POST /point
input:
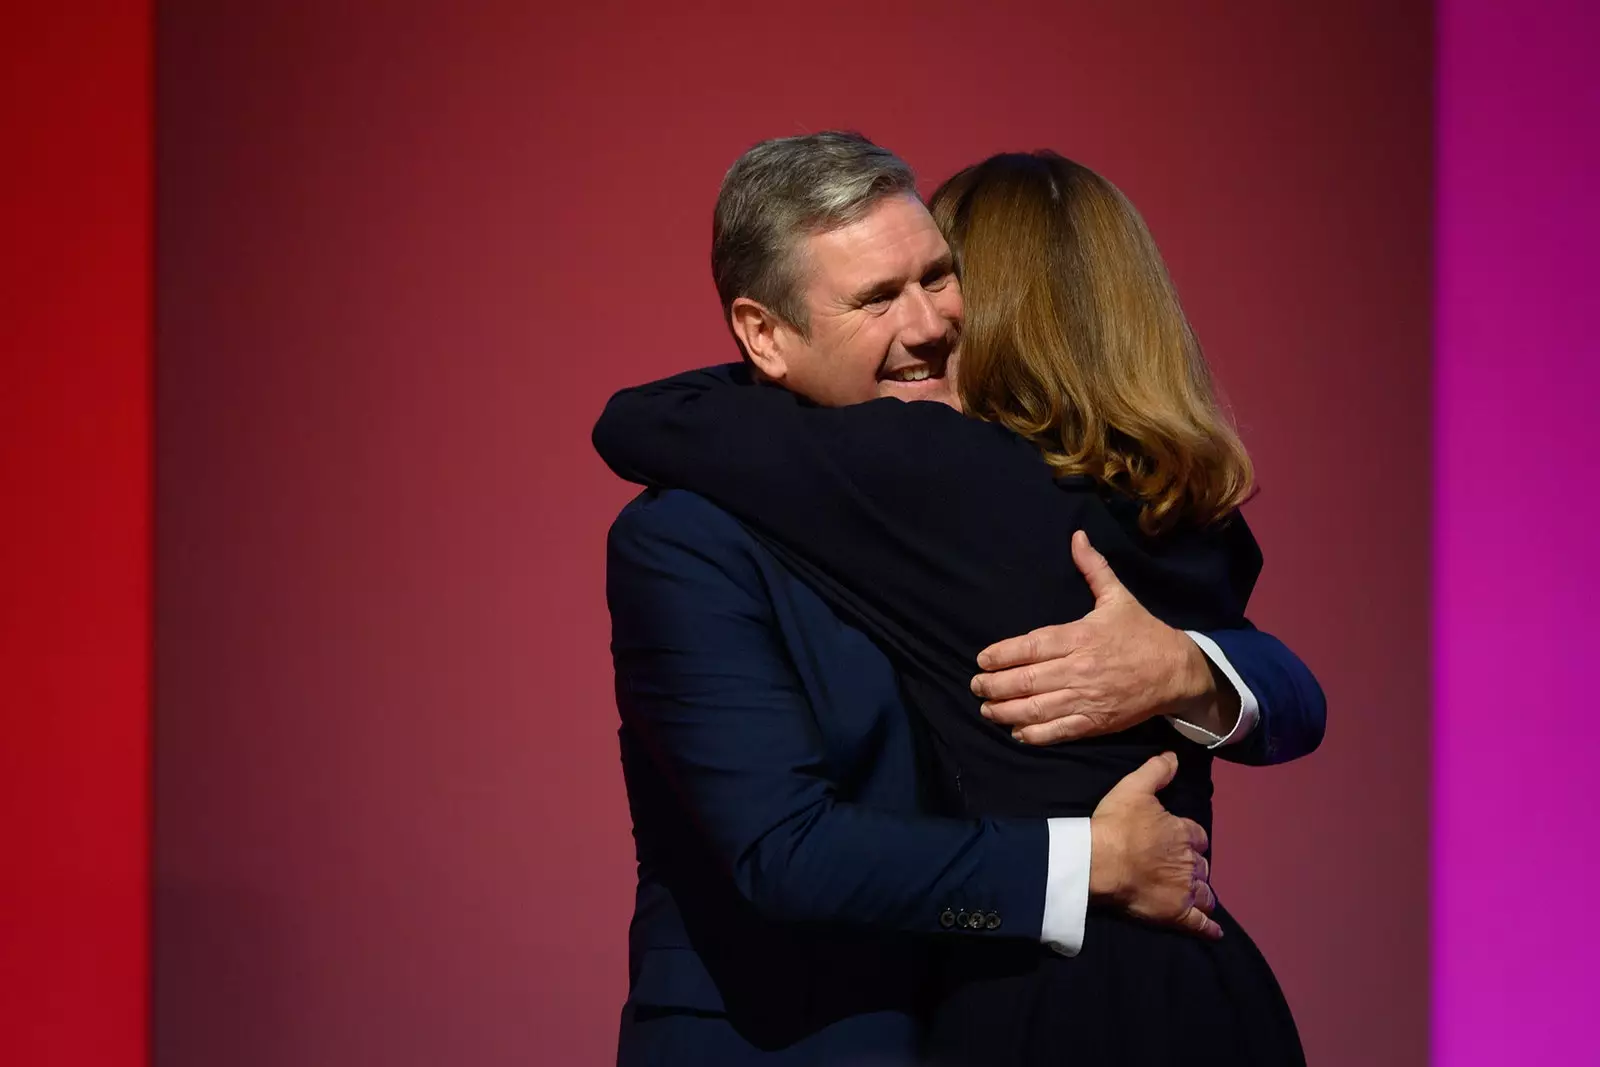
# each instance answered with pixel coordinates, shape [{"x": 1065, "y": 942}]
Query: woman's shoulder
[
  {"x": 930, "y": 433},
  {"x": 1212, "y": 566},
  {"x": 990, "y": 437}
]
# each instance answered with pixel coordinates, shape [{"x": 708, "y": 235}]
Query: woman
[{"x": 1091, "y": 409}]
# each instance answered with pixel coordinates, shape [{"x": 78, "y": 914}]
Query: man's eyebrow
[
  {"x": 945, "y": 264},
  {"x": 873, "y": 290}
]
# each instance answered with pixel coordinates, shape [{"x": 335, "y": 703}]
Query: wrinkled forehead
[{"x": 896, "y": 240}]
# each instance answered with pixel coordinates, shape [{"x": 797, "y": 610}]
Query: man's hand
[
  {"x": 1109, "y": 671},
  {"x": 1146, "y": 861}
]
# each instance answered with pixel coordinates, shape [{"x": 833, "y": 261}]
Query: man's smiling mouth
[{"x": 914, "y": 372}]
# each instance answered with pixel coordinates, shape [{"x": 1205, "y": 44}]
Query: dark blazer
[{"x": 772, "y": 777}]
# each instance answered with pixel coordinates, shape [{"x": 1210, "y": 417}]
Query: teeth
[{"x": 912, "y": 374}]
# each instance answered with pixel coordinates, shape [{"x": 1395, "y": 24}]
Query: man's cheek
[{"x": 955, "y": 309}]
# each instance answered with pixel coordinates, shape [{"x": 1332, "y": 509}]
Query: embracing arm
[
  {"x": 1293, "y": 712},
  {"x": 885, "y": 500},
  {"x": 703, "y": 680},
  {"x": 1239, "y": 692}
]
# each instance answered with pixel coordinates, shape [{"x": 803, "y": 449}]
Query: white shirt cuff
[
  {"x": 1066, "y": 886},
  {"x": 1249, "y": 709}
]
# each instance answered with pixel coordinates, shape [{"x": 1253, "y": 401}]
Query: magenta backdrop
[
  {"x": 404, "y": 255},
  {"x": 1515, "y": 551}
]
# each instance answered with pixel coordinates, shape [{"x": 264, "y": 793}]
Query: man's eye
[
  {"x": 881, "y": 300},
  {"x": 935, "y": 282}
]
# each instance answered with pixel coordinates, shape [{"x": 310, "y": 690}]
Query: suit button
[
  {"x": 976, "y": 922},
  {"x": 961, "y": 917},
  {"x": 947, "y": 919},
  {"x": 992, "y": 921}
]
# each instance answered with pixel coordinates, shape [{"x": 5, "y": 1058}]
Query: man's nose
[{"x": 924, "y": 324}]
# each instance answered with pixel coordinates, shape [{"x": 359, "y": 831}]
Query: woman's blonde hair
[{"x": 1075, "y": 339}]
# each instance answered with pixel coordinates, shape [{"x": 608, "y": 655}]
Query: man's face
[{"x": 885, "y": 311}]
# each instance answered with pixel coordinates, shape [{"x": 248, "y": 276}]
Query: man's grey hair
[{"x": 782, "y": 191}]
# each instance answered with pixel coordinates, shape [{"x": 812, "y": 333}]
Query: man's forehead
[{"x": 896, "y": 235}]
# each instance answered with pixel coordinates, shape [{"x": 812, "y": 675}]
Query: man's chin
[{"x": 937, "y": 390}]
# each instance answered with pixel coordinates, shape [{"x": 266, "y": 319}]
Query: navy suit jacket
[{"x": 786, "y": 877}]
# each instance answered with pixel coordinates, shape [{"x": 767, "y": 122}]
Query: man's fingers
[
  {"x": 1204, "y": 898},
  {"x": 1012, "y": 652},
  {"x": 1028, "y": 709},
  {"x": 1054, "y": 732},
  {"x": 1196, "y": 922},
  {"x": 1155, "y": 775},
  {"x": 1197, "y": 837},
  {"x": 1096, "y": 571},
  {"x": 1022, "y": 681},
  {"x": 1035, "y": 646}
]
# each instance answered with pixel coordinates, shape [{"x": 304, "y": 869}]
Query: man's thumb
[
  {"x": 1156, "y": 774},
  {"x": 1094, "y": 568}
]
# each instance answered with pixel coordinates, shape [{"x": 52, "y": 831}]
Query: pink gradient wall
[
  {"x": 404, "y": 255},
  {"x": 1516, "y": 561}
]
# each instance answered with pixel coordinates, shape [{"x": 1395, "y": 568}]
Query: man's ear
[{"x": 764, "y": 335}]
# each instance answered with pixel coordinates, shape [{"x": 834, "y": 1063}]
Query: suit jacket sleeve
[
  {"x": 875, "y": 502},
  {"x": 703, "y": 679},
  {"x": 1294, "y": 712}
]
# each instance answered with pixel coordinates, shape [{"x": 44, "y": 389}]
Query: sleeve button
[
  {"x": 992, "y": 921},
  {"x": 947, "y": 919}
]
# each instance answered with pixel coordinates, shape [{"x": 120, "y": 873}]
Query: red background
[
  {"x": 75, "y": 197},
  {"x": 405, "y": 255}
]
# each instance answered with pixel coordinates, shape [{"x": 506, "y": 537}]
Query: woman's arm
[{"x": 890, "y": 501}]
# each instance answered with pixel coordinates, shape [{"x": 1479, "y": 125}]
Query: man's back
[{"x": 715, "y": 973}]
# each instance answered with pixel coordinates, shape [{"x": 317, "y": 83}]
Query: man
[{"x": 791, "y": 890}]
